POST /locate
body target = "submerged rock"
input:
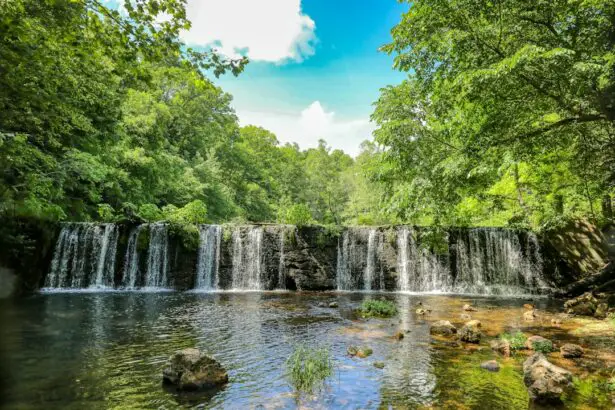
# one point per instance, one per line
(465, 316)
(529, 315)
(379, 365)
(443, 328)
(190, 369)
(398, 335)
(333, 305)
(556, 321)
(528, 306)
(570, 350)
(421, 311)
(545, 382)
(584, 305)
(501, 346)
(470, 332)
(490, 365)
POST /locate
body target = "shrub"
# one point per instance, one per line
(308, 367)
(378, 308)
(294, 214)
(543, 347)
(149, 213)
(517, 340)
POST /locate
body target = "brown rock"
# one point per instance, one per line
(570, 351)
(470, 332)
(602, 311)
(545, 382)
(443, 328)
(469, 308)
(584, 305)
(502, 347)
(529, 343)
(490, 365)
(189, 369)
(528, 306)
(398, 336)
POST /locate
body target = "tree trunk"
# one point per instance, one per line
(607, 207)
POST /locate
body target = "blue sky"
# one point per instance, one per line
(315, 67)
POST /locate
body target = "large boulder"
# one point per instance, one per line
(190, 369)
(470, 332)
(602, 311)
(443, 328)
(571, 351)
(584, 305)
(545, 382)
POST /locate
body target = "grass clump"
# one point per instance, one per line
(308, 367)
(517, 340)
(378, 308)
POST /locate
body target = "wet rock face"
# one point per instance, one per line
(545, 382)
(470, 332)
(570, 351)
(191, 370)
(442, 328)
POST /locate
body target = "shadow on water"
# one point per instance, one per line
(106, 350)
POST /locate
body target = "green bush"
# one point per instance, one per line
(543, 347)
(378, 308)
(308, 367)
(149, 213)
(517, 340)
(194, 212)
(295, 214)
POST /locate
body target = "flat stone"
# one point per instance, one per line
(333, 305)
(570, 350)
(490, 365)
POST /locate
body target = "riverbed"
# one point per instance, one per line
(106, 350)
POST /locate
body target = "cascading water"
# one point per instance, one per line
(131, 260)
(247, 258)
(84, 257)
(343, 270)
(157, 257)
(281, 264)
(209, 257)
(370, 267)
(493, 261)
(419, 269)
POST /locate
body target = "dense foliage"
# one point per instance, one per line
(106, 115)
(377, 308)
(507, 116)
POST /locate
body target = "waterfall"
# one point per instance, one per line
(281, 264)
(105, 269)
(420, 270)
(84, 256)
(370, 267)
(343, 270)
(157, 257)
(131, 260)
(208, 257)
(247, 258)
(493, 261)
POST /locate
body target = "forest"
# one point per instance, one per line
(506, 118)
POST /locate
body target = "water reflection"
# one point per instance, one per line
(106, 350)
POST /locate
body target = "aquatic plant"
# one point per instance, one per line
(517, 340)
(309, 367)
(377, 308)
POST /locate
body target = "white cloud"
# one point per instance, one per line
(308, 126)
(265, 30)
